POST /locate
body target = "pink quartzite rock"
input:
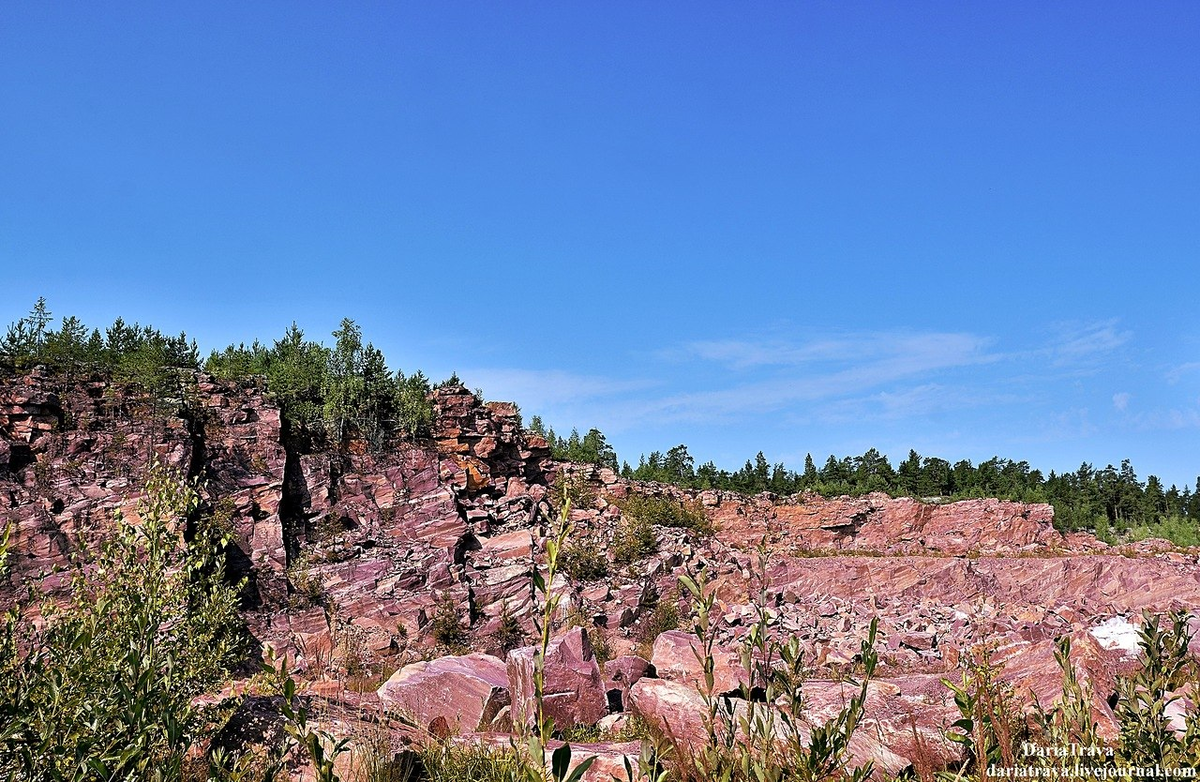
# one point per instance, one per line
(879, 523)
(622, 672)
(449, 695)
(574, 689)
(674, 658)
(676, 709)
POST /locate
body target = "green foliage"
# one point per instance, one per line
(4, 549)
(1146, 736)
(663, 616)
(583, 558)
(574, 489)
(1178, 530)
(447, 762)
(1070, 720)
(337, 394)
(666, 512)
(592, 448)
(598, 637)
(304, 585)
(509, 634)
(105, 690)
(990, 726)
(1111, 501)
(413, 410)
(633, 539)
(321, 748)
(270, 764)
(531, 745)
(140, 354)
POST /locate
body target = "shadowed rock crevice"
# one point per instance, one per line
(293, 503)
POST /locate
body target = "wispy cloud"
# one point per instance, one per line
(840, 379)
(1176, 373)
(818, 370)
(925, 347)
(1084, 345)
(537, 389)
(1072, 424)
(1169, 420)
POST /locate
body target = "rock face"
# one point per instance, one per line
(78, 449)
(878, 523)
(368, 559)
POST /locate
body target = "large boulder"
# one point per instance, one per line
(676, 710)
(573, 690)
(449, 695)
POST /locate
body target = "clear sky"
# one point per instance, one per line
(972, 229)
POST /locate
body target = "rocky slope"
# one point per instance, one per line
(356, 561)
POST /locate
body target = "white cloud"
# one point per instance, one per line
(1171, 419)
(1121, 400)
(817, 370)
(878, 346)
(1086, 344)
(536, 389)
(1175, 374)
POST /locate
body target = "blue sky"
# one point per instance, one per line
(966, 228)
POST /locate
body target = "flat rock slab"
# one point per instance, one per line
(449, 695)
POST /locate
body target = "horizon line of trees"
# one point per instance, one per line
(331, 395)
(1112, 501)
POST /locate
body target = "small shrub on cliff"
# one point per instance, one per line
(634, 539)
(508, 634)
(574, 489)
(663, 616)
(446, 626)
(666, 512)
(584, 559)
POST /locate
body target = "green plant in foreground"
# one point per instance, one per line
(1146, 736)
(445, 762)
(4, 550)
(531, 746)
(105, 690)
(295, 714)
(989, 727)
(763, 736)
(1070, 720)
